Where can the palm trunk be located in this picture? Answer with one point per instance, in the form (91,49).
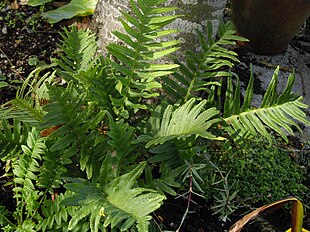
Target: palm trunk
(196,14)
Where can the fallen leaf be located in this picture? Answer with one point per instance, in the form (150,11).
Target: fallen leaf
(15,5)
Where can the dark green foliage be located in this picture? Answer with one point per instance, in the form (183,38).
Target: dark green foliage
(12,137)
(57,216)
(203,69)
(107,140)
(68,111)
(167,180)
(4,214)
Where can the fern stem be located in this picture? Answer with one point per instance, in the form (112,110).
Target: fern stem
(191,86)
(189,199)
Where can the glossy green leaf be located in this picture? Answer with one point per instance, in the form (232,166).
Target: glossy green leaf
(37,2)
(72,9)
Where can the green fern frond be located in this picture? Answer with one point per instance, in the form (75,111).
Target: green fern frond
(57,216)
(26,106)
(78,50)
(121,136)
(167,180)
(99,84)
(26,165)
(24,110)
(25,170)
(277,112)
(120,203)
(202,67)
(185,121)
(12,137)
(35,85)
(79,62)
(78,121)
(52,171)
(167,153)
(135,59)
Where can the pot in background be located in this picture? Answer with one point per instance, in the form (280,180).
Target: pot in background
(270,25)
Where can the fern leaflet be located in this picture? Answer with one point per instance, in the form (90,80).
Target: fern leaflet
(277,111)
(12,137)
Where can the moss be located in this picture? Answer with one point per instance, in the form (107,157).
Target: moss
(264,174)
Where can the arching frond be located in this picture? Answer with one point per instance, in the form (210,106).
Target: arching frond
(278,112)
(27,105)
(180,123)
(202,68)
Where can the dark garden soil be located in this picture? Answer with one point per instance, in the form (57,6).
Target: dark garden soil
(26,39)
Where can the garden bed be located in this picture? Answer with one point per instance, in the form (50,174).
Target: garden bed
(26,39)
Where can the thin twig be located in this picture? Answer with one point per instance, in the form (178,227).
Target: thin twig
(11,64)
(189,199)
(8,59)
(48,32)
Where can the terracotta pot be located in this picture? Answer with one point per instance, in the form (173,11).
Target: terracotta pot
(269,24)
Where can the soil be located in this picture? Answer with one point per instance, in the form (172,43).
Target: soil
(201,219)
(24,39)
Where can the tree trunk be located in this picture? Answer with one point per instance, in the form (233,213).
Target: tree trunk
(196,14)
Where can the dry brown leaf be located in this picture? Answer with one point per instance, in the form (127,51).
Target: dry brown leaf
(15,5)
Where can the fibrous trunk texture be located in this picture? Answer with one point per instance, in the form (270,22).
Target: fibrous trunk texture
(196,14)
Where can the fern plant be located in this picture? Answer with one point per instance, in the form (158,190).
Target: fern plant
(88,151)
(135,59)
(183,122)
(27,197)
(276,112)
(205,68)
(120,203)
(12,137)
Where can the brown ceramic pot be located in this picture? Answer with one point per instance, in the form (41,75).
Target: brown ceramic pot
(269,24)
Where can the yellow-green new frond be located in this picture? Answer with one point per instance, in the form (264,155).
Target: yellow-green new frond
(180,123)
